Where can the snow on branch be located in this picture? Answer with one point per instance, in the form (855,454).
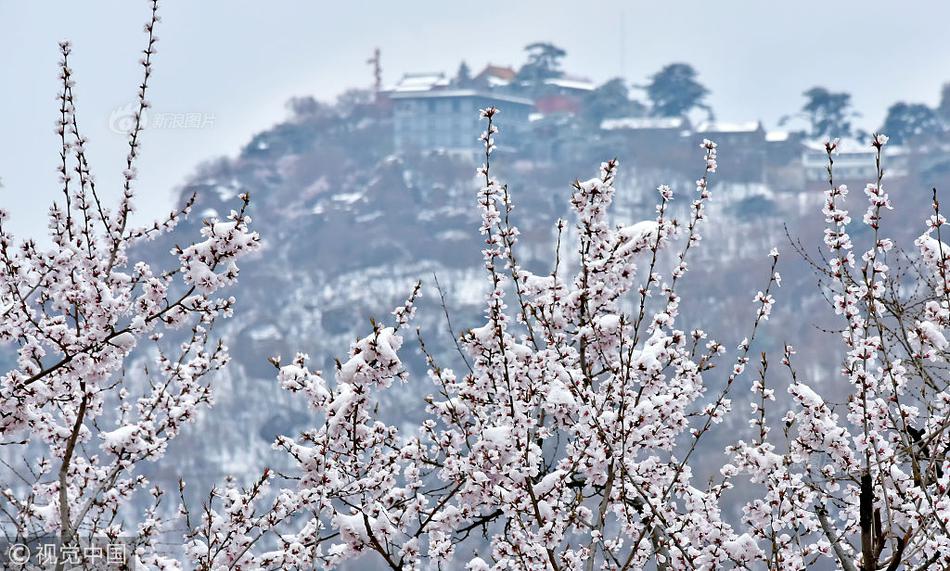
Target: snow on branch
(79,409)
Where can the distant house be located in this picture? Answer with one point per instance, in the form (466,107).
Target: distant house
(661,142)
(416,82)
(570,85)
(783,155)
(742,149)
(562,94)
(556,137)
(649,125)
(495,76)
(853,162)
(448,119)
(744,133)
(783,147)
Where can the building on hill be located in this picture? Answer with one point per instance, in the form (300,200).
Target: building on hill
(742,156)
(744,133)
(557,137)
(854,163)
(570,85)
(644,126)
(416,82)
(783,147)
(495,77)
(562,95)
(660,142)
(448,119)
(783,157)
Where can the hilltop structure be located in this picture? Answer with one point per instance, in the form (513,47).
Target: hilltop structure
(550,122)
(430,112)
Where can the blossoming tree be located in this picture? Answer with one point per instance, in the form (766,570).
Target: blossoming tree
(567,441)
(564,445)
(74,419)
(863,482)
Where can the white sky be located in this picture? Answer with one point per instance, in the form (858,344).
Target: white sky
(236,62)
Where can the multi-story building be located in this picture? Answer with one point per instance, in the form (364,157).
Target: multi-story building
(431,114)
(854,163)
(742,149)
(657,142)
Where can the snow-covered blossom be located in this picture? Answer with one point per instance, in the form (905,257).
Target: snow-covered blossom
(77,408)
(566,396)
(567,440)
(861,483)
(567,437)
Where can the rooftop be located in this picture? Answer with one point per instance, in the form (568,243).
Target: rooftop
(643,123)
(777,136)
(497,72)
(420,82)
(445,93)
(578,83)
(847,146)
(721,127)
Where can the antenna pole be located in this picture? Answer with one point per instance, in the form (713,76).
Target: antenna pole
(376,62)
(623,40)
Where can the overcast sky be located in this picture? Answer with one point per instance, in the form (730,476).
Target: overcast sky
(228,66)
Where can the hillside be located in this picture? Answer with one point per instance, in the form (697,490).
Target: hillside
(348,227)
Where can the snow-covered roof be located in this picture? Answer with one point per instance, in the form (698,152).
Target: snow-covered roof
(420,82)
(850,152)
(577,83)
(443,93)
(720,127)
(643,123)
(847,146)
(777,136)
(497,72)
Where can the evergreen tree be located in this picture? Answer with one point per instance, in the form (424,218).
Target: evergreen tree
(611,100)
(463,77)
(828,113)
(544,62)
(943,109)
(906,122)
(674,91)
